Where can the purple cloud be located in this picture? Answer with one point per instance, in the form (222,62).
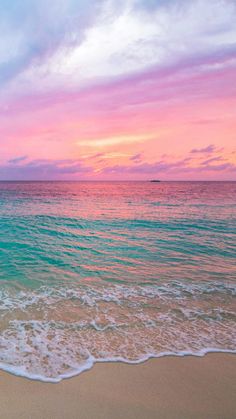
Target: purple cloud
(209,149)
(168,168)
(211,160)
(18,159)
(220,167)
(136,158)
(44,170)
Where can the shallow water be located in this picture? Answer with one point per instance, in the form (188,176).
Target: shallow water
(99,271)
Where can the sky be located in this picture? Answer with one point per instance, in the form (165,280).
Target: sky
(116,90)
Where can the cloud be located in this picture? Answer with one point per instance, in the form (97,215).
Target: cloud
(83,42)
(136,157)
(144,168)
(209,149)
(97,156)
(212,160)
(166,168)
(230,167)
(111,141)
(116,77)
(48,169)
(44,169)
(17,159)
(33,30)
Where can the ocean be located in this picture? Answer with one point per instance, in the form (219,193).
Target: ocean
(114,271)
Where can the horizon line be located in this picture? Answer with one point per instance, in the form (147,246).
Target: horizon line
(116,180)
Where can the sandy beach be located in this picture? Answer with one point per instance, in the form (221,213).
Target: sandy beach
(165,388)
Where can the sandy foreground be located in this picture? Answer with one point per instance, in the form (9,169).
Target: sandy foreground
(164,388)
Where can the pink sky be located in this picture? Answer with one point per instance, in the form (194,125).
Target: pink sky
(144,90)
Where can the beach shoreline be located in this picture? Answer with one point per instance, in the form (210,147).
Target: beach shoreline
(167,388)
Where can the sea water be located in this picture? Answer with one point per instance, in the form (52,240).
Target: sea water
(114,271)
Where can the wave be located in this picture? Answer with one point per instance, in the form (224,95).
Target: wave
(56,332)
(20,371)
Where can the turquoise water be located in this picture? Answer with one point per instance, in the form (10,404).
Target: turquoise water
(100,271)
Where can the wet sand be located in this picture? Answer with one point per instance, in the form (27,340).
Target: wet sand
(164,388)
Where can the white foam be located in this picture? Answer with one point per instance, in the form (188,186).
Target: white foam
(43,339)
(21,371)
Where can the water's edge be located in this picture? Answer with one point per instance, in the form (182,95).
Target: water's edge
(18,372)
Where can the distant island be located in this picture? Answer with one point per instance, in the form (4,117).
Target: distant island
(154,180)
